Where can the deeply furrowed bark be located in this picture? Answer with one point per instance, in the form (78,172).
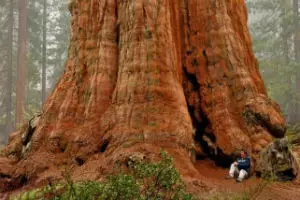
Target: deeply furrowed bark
(226,85)
(145,75)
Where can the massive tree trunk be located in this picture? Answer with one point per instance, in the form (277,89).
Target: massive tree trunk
(145,75)
(22,62)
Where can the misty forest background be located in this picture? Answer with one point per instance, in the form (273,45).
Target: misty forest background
(34,39)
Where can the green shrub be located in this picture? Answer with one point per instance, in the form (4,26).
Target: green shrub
(144,181)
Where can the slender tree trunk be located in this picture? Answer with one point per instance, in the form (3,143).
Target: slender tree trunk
(44,68)
(286,60)
(146,75)
(297,57)
(9,86)
(285,35)
(22,62)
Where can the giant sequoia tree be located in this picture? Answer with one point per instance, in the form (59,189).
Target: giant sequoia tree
(145,75)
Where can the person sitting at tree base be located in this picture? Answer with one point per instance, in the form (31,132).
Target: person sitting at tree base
(240,169)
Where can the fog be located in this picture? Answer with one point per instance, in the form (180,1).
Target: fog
(33,53)
(275,31)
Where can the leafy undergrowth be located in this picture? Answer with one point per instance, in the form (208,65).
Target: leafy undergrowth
(144,181)
(293,137)
(293,134)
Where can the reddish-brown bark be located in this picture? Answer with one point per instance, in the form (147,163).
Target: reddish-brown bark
(145,75)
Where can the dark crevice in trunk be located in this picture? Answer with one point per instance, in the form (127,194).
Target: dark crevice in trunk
(287,175)
(79,161)
(29,134)
(22,180)
(5,175)
(200,126)
(103,146)
(192,79)
(200,136)
(203,133)
(62,149)
(14,183)
(222,159)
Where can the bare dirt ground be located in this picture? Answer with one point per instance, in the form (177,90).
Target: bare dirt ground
(252,188)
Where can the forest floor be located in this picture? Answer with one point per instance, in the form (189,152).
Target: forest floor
(228,189)
(252,188)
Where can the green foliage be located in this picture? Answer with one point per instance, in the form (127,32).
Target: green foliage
(160,180)
(293,135)
(144,181)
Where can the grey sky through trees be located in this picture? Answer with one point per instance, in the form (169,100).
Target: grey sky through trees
(52,56)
